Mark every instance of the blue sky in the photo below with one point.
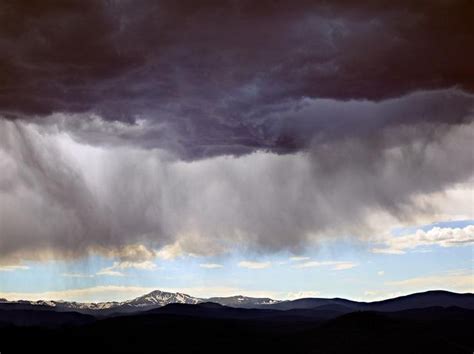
(342, 269)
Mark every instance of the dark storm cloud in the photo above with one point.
(218, 75)
(339, 116)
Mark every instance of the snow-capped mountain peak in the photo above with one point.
(162, 298)
(156, 298)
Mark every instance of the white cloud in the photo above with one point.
(254, 265)
(441, 236)
(171, 251)
(380, 273)
(344, 266)
(145, 265)
(335, 265)
(11, 268)
(110, 272)
(115, 269)
(211, 265)
(309, 264)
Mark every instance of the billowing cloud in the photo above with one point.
(439, 236)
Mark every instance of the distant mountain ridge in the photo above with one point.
(158, 299)
(426, 299)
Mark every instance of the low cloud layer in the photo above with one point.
(61, 198)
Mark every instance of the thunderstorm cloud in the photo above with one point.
(130, 127)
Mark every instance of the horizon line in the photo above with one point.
(5, 299)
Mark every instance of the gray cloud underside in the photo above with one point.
(71, 199)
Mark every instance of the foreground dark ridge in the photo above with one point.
(332, 326)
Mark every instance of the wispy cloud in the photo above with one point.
(11, 268)
(117, 268)
(344, 266)
(254, 265)
(77, 275)
(211, 265)
(440, 236)
(335, 265)
(299, 258)
(145, 265)
(110, 272)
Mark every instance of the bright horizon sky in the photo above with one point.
(345, 269)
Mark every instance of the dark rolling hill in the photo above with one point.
(212, 328)
(333, 326)
(418, 300)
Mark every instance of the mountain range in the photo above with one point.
(429, 322)
(157, 299)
